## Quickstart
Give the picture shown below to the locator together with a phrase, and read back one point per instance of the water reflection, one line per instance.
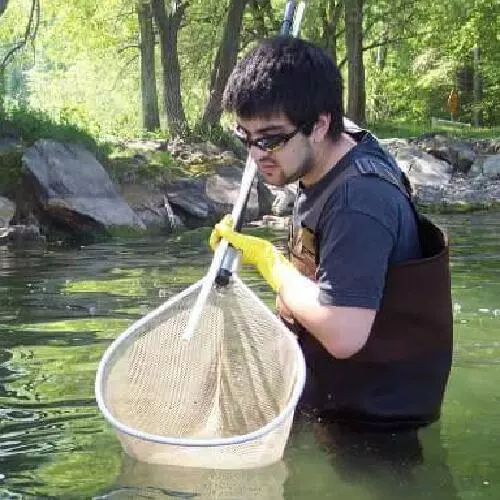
(141, 480)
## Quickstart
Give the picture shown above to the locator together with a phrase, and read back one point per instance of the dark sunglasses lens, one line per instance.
(271, 142)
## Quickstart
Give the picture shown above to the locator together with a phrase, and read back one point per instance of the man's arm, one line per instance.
(343, 331)
(355, 243)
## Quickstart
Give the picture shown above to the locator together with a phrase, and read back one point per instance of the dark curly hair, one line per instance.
(290, 76)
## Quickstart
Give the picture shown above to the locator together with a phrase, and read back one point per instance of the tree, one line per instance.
(224, 63)
(168, 22)
(356, 96)
(330, 19)
(28, 36)
(150, 112)
(3, 6)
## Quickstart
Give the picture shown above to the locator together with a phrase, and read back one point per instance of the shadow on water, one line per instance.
(322, 461)
(407, 464)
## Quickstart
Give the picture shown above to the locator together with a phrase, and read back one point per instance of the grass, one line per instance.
(400, 129)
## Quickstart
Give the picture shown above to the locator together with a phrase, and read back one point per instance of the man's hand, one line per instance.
(262, 254)
(283, 310)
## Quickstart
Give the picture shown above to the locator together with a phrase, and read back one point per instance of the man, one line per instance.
(369, 291)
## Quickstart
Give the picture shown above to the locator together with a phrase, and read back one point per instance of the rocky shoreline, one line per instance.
(50, 190)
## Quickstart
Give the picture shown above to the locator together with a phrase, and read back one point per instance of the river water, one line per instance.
(60, 308)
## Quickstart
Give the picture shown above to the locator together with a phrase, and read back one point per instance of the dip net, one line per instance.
(222, 399)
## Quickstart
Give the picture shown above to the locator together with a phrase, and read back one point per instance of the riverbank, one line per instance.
(60, 191)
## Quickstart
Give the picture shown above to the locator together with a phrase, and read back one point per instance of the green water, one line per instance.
(59, 309)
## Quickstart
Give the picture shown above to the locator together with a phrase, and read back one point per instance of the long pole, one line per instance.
(226, 257)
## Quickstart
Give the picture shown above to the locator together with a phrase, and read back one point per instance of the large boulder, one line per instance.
(64, 183)
(491, 167)
(459, 154)
(422, 168)
(223, 188)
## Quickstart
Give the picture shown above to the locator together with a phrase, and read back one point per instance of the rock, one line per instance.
(476, 168)
(209, 198)
(7, 210)
(209, 148)
(145, 145)
(266, 197)
(189, 195)
(457, 153)
(4, 236)
(421, 168)
(486, 146)
(491, 167)
(284, 199)
(222, 189)
(69, 186)
(276, 222)
(21, 236)
(151, 205)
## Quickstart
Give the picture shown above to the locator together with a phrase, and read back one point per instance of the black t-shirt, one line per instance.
(366, 225)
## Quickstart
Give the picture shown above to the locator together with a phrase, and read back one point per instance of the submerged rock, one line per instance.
(22, 235)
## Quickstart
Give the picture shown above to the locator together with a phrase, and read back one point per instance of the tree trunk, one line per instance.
(330, 19)
(2, 92)
(168, 24)
(3, 6)
(224, 63)
(150, 112)
(356, 101)
(259, 10)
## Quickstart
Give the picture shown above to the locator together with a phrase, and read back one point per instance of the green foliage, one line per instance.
(29, 126)
(10, 171)
(84, 67)
(221, 136)
(406, 129)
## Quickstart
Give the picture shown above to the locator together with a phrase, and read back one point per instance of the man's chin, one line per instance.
(276, 182)
(272, 180)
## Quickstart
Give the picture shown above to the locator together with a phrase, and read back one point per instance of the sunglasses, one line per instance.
(267, 143)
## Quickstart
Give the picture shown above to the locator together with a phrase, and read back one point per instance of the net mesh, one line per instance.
(233, 377)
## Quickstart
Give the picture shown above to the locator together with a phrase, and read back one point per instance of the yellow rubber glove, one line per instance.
(269, 261)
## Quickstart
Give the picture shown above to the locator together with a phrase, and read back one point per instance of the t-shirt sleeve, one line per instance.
(355, 243)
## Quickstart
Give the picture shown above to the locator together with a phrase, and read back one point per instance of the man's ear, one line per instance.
(320, 128)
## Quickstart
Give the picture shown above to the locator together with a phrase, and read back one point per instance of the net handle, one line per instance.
(225, 256)
(221, 252)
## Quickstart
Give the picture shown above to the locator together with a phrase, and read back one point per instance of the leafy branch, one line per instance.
(29, 33)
